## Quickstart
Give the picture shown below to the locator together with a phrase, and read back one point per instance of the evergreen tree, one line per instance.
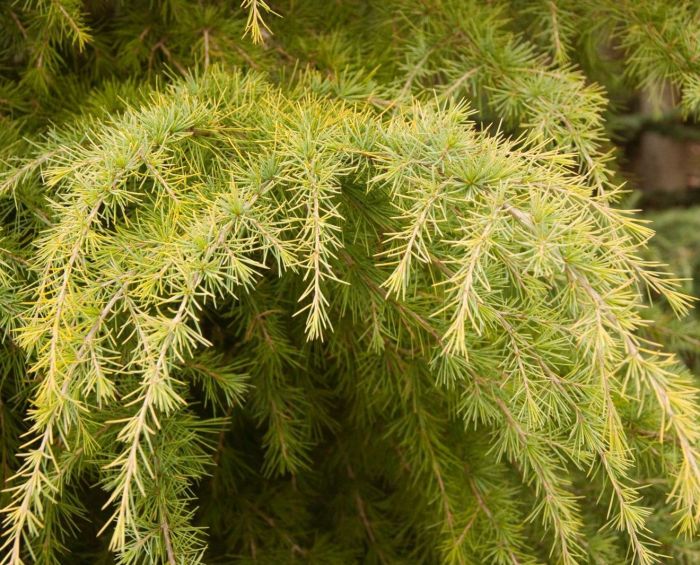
(338, 282)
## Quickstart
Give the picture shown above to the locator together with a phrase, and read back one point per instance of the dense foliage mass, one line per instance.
(338, 282)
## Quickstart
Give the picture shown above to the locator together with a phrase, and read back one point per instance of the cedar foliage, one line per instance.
(336, 282)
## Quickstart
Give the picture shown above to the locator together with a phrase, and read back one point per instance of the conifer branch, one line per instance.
(388, 331)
